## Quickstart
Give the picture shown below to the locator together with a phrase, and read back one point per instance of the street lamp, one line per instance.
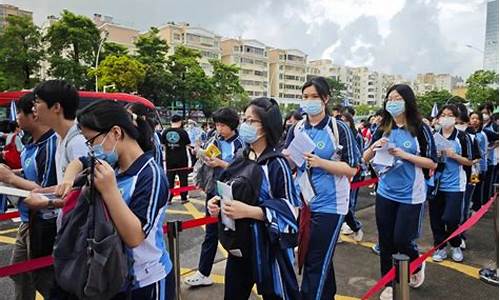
(106, 33)
(108, 86)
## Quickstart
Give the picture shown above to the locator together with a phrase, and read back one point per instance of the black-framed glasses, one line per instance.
(90, 142)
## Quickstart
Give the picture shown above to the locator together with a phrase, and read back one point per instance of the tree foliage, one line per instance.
(426, 101)
(482, 87)
(125, 72)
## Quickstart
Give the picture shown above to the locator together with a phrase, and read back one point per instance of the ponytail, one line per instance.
(101, 116)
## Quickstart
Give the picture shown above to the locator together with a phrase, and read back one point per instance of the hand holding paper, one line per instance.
(300, 145)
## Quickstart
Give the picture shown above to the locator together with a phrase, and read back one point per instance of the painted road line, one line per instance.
(7, 240)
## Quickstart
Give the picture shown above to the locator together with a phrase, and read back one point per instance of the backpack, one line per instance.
(245, 178)
(89, 257)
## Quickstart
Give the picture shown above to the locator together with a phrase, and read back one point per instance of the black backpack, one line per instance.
(245, 178)
(89, 257)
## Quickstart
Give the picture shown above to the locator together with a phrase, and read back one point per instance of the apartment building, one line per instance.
(7, 10)
(287, 72)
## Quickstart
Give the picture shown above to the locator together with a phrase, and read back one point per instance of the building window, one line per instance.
(236, 49)
(177, 36)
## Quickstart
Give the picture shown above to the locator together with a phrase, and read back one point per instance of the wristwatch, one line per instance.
(50, 204)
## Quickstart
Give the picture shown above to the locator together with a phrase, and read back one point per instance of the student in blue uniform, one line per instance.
(445, 209)
(148, 115)
(135, 191)
(328, 168)
(36, 233)
(490, 128)
(476, 129)
(401, 191)
(352, 223)
(227, 140)
(271, 265)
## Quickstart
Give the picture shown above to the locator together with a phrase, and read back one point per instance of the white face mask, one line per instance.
(447, 122)
(462, 127)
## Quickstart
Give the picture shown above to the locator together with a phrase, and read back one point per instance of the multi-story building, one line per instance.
(491, 37)
(116, 33)
(251, 56)
(207, 42)
(430, 81)
(287, 73)
(7, 10)
(321, 67)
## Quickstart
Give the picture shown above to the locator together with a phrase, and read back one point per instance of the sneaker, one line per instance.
(339, 240)
(489, 276)
(346, 229)
(376, 249)
(358, 235)
(456, 254)
(198, 279)
(386, 294)
(417, 279)
(463, 246)
(440, 255)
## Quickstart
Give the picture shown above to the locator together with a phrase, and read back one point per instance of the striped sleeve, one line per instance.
(430, 145)
(150, 195)
(45, 163)
(350, 152)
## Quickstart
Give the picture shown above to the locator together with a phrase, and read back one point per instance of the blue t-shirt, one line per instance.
(331, 191)
(144, 188)
(481, 141)
(228, 149)
(38, 163)
(491, 131)
(453, 177)
(406, 182)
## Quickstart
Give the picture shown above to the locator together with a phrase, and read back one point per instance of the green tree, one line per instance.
(151, 52)
(20, 52)
(125, 72)
(337, 90)
(482, 86)
(111, 48)
(74, 41)
(188, 82)
(226, 87)
(364, 109)
(426, 101)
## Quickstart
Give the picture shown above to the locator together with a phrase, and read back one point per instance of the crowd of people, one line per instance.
(296, 209)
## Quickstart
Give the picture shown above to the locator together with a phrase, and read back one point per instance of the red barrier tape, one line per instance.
(180, 169)
(418, 262)
(179, 190)
(26, 266)
(199, 222)
(9, 215)
(357, 185)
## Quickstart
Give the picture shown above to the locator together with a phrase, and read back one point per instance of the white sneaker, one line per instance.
(440, 255)
(417, 279)
(463, 245)
(198, 279)
(456, 254)
(346, 229)
(386, 294)
(339, 240)
(358, 235)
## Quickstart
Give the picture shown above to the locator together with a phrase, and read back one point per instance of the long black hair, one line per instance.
(101, 116)
(350, 119)
(145, 113)
(268, 111)
(413, 118)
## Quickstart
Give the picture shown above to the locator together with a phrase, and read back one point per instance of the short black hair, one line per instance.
(321, 85)
(175, 119)
(453, 108)
(350, 110)
(227, 116)
(25, 103)
(463, 113)
(338, 107)
(12, 126)
(62, 92)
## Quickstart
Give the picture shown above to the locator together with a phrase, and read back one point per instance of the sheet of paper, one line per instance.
(300, 145)
(305, 187)
(226, 194)
(383, 157)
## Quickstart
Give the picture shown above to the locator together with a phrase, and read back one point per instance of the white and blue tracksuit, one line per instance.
(350, 218)
(446, 208)
(329, 205)
(401, 193)
(481, 140)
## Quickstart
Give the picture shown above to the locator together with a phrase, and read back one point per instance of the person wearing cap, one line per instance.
(176, 141)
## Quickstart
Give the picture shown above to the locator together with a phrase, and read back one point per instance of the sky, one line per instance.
(390, 36)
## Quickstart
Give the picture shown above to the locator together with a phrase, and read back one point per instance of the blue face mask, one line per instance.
(312, 107)
(110, 157)
(248, 133)
(395, 108)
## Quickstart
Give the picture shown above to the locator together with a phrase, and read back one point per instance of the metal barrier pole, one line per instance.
(400, 287)
(173, 248)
